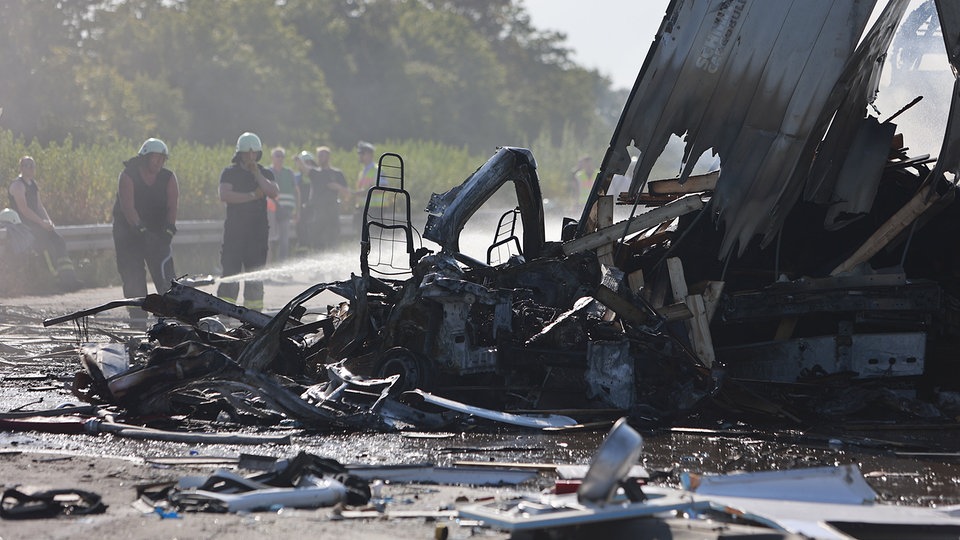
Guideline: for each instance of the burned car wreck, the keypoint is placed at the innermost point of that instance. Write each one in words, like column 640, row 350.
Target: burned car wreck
column 520, row 335
column 811, row 276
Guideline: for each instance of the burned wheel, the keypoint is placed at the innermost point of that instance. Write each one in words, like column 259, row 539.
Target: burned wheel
column 410, row 367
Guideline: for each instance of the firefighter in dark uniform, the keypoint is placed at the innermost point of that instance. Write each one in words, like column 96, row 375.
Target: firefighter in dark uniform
column 145, row 220
column 244, row 187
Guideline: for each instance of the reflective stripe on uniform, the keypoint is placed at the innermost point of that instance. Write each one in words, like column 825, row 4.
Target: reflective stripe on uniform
column 288, row 200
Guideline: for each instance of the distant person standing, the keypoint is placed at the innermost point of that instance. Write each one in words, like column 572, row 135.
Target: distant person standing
column 366, row 179
column 329, row 187
column 288, row 202
column 145, row 221
column 303, row 211
column 24, row 194
column 582, row 177
column 244, row 187
column 308, row 177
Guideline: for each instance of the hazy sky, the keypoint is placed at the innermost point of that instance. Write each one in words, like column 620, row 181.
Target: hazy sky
column 611, row 36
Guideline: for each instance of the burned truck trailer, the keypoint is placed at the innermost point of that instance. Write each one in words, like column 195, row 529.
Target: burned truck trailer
column 833, row 244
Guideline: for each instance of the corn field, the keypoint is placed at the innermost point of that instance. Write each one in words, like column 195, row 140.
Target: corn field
column 78, row 181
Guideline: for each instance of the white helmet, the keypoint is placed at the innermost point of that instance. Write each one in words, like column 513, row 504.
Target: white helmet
column 9, row 215
column 153, row 146
column 249, row 141
column 306, row 156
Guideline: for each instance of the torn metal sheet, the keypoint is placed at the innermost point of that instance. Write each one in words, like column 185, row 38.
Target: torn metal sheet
column 614, row 458
column 839, row 521
column 838, row 157
column 449, row 212
column 529, row 421
column 431, row 474
column 577, row 472
column 170, row 368
column 351, row 399
column 843, row 484
column 610, row 373
column 264, row 349
column 530, row 513
column 95, row 426
column 180, row 301
column 949, row 160
column 949, row 15
column 103, row 361
column 328, row 493
column 304, row 481
column 856, row 186
column 747, row 78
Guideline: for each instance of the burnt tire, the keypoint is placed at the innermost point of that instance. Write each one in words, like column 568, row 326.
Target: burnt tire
column 412, row 369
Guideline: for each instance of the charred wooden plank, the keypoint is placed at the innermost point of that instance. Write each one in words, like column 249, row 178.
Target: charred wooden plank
column 621, row 306
column 698, row 326
column 636, row 224
column 604, row 220
column 922, row 202
column 693, row 184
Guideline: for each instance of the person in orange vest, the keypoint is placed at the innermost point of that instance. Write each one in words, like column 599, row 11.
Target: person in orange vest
column 366, row 179
column 582, row 176
column 287, row 204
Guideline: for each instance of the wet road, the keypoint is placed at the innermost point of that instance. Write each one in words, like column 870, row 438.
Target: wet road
column 897, row 476
column 37, row 365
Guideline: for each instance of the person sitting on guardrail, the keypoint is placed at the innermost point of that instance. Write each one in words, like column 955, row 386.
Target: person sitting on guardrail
column 145, row 220
column 25, row 199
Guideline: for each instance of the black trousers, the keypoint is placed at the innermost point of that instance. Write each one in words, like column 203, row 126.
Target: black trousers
column 243, row 253
column 136, row 250
column 53, row 248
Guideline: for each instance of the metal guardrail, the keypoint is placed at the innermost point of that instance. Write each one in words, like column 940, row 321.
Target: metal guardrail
column 189, row 232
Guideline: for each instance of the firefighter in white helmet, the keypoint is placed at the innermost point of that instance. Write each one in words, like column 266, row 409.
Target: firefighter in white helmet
column 144, row 222
column 244, row 187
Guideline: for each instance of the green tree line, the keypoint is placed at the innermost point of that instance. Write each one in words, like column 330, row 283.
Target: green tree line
column 462, row 73
column 441, row 82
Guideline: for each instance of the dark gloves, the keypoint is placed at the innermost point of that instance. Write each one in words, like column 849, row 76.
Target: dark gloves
column 170, row 230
